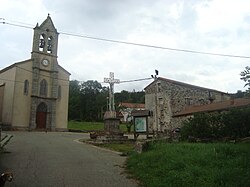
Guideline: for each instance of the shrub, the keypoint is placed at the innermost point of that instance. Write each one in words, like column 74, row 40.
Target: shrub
column 234, row 123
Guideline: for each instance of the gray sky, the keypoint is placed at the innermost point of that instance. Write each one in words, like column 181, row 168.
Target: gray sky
column 213, row 26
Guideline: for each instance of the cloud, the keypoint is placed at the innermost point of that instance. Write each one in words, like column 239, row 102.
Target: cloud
column 216, row 26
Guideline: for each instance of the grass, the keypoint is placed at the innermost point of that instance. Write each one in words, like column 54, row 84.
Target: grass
column 183, row 164
column 88, row 126
column 187, row 164
column 91, row 126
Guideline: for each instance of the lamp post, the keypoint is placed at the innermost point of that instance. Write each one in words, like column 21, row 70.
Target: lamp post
column 156, row 99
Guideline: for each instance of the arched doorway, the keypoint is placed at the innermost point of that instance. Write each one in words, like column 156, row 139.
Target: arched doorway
column 41, row 116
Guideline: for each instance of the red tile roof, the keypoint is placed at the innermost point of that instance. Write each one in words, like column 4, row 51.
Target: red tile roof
column 224, row 105
column 132, row 105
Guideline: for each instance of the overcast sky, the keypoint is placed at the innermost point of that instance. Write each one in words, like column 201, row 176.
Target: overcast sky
column 213, row 26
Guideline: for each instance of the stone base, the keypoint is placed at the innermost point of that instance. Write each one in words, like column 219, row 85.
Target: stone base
column 111, row 133
column 112, row 138
column 106, row 137
column 112, row 125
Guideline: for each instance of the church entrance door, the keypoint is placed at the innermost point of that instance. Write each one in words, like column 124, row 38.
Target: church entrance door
column 41, row 116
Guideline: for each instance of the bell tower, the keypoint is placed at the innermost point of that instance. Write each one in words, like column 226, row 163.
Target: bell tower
column 44, row 76
column 45, row 38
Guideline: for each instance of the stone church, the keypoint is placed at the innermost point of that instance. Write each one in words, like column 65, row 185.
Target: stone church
column 167, row 99
column 34, row 93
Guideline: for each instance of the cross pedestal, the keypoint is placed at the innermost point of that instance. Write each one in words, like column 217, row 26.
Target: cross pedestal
column 111, row 122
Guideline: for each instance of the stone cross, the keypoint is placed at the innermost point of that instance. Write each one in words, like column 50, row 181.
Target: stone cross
column 111, row 82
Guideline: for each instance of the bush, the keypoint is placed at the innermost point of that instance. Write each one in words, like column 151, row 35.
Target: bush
column 234, row 123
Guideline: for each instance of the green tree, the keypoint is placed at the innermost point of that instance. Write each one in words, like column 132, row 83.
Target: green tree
column 74, row 100
column 130, row 97
column 89, row 105
column 245, row 76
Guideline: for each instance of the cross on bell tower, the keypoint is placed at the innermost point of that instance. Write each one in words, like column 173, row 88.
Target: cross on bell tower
column 111, row 82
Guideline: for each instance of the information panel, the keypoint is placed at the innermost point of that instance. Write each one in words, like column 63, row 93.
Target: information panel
column 140, row 124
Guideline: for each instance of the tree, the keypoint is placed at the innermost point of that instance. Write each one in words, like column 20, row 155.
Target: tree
column 130, row 97
column 89, row 105
column 74, row 98
column 245, row 76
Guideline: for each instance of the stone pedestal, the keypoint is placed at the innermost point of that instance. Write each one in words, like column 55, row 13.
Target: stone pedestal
column 112, row 131
column 112, row 125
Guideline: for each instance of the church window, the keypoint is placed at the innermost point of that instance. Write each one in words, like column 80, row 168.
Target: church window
column 42, row 42
column 26, row 87
column 49, row 46
column 43, row 88
column 59, row 92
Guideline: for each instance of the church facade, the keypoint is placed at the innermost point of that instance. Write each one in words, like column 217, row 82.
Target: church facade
column 34, row 93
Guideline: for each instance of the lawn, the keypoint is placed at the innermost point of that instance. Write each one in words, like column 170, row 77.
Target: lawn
column 85, row 126
column 91, row 126
column 187, row 164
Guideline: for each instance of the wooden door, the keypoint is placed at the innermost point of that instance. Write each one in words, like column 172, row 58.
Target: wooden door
column 41, row 116
column 41, row 120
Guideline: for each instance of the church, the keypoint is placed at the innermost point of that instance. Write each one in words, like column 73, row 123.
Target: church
column 34, row 93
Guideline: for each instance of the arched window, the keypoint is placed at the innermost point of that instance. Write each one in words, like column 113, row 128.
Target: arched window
column 43, row 88
column 42, row 42
column 26, row 87
column 49, row 46
column 59, row 92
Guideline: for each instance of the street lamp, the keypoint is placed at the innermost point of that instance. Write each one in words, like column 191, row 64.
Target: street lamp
column 156, row 99
column 156, row 74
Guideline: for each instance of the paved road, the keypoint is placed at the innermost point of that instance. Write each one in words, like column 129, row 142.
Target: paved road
column 55, row 159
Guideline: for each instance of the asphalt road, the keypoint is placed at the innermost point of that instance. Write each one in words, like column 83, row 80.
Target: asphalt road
column 56, row 159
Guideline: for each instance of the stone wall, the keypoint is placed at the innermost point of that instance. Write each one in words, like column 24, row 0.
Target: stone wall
column 165, row 98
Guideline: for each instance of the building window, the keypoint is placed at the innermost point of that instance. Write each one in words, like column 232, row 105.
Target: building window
column 59, row 92
column 26, row 87
column 43, row 88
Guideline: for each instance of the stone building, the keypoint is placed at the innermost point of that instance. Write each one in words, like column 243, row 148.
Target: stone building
column 165, row 98
column 34, row 93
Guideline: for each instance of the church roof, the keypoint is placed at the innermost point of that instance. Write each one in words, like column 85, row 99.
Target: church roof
column 64, row 69
column 218, row 106
column 13, row 65
column 182, row 84
column 48, row 23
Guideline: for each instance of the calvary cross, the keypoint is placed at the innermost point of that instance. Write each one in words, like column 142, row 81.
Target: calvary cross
column 111, row 82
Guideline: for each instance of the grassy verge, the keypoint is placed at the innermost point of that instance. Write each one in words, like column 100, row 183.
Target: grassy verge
column 91, row 126
column 192, row 165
